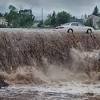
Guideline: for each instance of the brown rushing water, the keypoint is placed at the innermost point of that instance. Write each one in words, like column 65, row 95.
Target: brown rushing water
column 70, row 91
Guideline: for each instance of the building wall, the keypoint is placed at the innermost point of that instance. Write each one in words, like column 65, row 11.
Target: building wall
column 3, row 21
column 95, row 20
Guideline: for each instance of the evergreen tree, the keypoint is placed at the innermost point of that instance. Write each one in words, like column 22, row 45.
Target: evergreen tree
column 96, row 11
column 53, row 19
column 57, row 19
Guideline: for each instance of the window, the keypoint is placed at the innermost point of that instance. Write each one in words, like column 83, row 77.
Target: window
column 74, row 24
column 67, row 24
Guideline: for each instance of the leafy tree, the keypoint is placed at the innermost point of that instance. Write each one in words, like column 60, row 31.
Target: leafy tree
column 22, row 18
column 48, row 20
column 96, row 11
column 26, row 18
column 1, row 15
column 12, row 16
column 51, row 19
column 62, row 17
column 12, row 8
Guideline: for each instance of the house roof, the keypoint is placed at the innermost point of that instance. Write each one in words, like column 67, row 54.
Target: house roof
column 94, row 16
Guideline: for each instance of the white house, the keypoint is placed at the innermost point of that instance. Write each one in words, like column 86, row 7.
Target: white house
column 95, row 20
column 3, row 21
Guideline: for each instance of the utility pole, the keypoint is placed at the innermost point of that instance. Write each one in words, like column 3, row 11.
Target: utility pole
column 42, row 15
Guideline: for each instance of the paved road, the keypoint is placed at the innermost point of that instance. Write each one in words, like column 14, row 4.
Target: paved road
column 35, row 30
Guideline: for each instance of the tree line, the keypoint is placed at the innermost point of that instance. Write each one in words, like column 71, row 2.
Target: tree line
column 57, row 19
column 25, row 18
column 21, row 18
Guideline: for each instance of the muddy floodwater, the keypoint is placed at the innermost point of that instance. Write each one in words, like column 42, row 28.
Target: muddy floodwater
column 52, row 58
column 70, row 91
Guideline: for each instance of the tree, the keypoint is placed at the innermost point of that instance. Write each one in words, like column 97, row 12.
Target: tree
column 1, row 15
column 26, row 18
column 51, row 19
column 22, row 18
column 96, row 11
column 62, row 17
column 57, row 19
column 12, row 16
column 48, row 20
column 12, row 8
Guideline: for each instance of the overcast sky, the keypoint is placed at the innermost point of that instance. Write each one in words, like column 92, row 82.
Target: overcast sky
column 75, row 7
